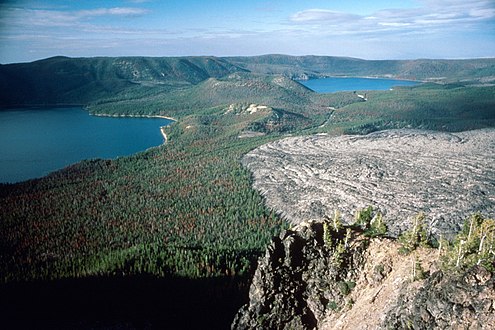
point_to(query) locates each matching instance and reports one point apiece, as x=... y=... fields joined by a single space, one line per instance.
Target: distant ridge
x=63 y=80
x=311 y=66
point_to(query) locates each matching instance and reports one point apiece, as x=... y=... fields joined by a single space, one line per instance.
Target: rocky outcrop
x=310 y=279
x=298 y=281
x=447 y=176
x=465 y=301
x=307 y=281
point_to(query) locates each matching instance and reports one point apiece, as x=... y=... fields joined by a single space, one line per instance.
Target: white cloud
x=432 y=14
x=117 y=11
x=435 y=28
x=59 y=18
x=395 y=24
x=138 y=1
x=321 y=15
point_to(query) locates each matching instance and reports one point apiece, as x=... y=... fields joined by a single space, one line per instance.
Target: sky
x=370 y=29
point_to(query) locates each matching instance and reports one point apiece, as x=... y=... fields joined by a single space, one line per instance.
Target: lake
x=339 y=84
x=35 y=142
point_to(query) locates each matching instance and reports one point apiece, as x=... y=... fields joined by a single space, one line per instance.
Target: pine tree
x=337 y=223
x=327 y=235
x=414 y=237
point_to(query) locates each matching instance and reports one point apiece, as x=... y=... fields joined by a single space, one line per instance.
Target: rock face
x=446 y=302
x=310 y=280
x=447 y=176
x=298 y=282
x=301 y=283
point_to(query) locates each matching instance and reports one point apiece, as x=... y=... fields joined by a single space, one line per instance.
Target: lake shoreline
x=368 y=77
x=162 y=128
x=349 y=84
x=103 y=138
x=131 y=116
x=40 y=106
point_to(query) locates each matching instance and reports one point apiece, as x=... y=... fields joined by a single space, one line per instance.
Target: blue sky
x=405 y=29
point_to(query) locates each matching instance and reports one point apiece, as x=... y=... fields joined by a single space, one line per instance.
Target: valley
x=187 y=209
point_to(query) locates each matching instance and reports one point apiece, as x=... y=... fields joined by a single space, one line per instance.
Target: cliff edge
x=315 y=278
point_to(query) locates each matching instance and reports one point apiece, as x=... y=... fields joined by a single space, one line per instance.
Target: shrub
x=418 y=271
x=414 y=237
x=333 y=305
x=474 y=245
x=371 y=224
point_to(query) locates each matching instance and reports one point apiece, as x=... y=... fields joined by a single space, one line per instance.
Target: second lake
x=339 y=84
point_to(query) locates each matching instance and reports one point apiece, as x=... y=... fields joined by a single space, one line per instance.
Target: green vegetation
x=474 y=245
x=370 y=223
x=425 y=106
x=333 y=305
x=337 y=237
x=345 y=287
x=62 y=80
x=331 y=229
x=418 y=272
x=290 y=105
x=187 y=208
x=301 y=67
x=415 y=236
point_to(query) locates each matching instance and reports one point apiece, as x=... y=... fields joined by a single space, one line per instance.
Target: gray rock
x=301 y=282
x=447 y=176
x=447 y=301
x=297 y=283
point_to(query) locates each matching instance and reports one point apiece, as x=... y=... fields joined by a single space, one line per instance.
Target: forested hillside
x=187 y=209
x=303 y=67
x=63 y=80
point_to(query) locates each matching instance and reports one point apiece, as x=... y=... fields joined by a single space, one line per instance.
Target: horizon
x=261 y=55
x=413 y=29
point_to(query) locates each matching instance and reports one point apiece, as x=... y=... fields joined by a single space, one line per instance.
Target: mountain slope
x=62 y=80
x=308 y=280
x=303 y=67
x=238 y=90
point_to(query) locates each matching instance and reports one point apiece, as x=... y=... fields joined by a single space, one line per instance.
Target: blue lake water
x=338 y=84
x=35 y=142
